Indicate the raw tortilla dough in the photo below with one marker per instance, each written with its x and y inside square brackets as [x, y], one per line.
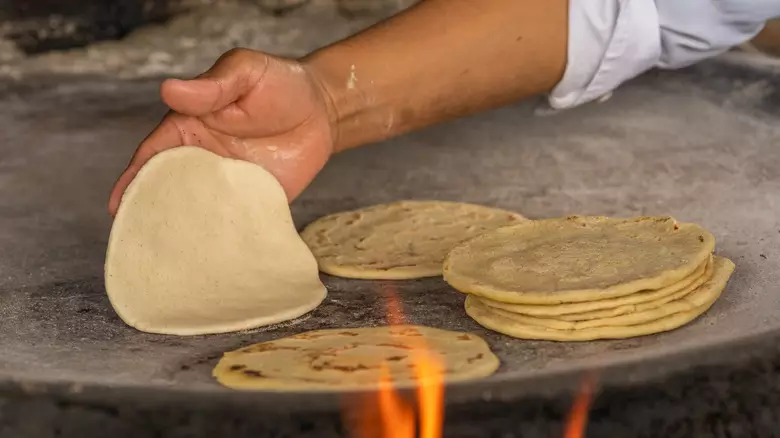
[706, 295]
[577, 259]
[351, 359]
[402, 240]
[203, 244]
[611, 306]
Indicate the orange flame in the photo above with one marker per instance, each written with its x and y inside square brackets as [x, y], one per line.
[389, 415]
[578, 415]
[430, 394]
[396, 417]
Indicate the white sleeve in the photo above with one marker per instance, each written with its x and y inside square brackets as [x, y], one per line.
[612, 41]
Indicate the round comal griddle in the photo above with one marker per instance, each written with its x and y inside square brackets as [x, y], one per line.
[701, 144]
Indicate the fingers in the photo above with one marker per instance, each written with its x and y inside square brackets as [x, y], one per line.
[233, 75]
[165, 136]
[210, 98]
[194, 97]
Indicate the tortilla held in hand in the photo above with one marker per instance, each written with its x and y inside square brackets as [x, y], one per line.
[204, 244]
[355, 359]
[401, 240]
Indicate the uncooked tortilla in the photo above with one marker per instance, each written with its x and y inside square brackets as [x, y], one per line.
[203, 244]
[352, 359]
[402, 240]
[508, 324]
[611, 306]
[577, 259]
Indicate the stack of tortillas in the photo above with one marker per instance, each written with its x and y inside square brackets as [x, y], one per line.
[585, 278]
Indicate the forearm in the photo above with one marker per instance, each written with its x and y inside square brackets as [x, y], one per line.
[439, 60]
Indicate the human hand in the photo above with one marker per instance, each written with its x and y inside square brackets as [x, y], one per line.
[250, 106]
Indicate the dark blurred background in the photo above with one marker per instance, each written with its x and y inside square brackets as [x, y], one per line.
[39, 25]
[159, 38]
[36, 26]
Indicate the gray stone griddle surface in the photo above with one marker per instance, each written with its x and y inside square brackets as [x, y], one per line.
[702, 145]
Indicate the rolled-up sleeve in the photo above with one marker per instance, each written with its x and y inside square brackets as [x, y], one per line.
[612, 41]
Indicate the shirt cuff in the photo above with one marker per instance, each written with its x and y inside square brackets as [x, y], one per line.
[610, 42]
[694, 30]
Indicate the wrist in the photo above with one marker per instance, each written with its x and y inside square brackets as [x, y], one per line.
[357, 113]
[329, 100]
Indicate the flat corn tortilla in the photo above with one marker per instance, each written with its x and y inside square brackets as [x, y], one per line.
[695, 297]
[640, 307]
[195, 248]
[507, 324]
[611, 306]
[577, 259]
[401, 240]
[352, 359]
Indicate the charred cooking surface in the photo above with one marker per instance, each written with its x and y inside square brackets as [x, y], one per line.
[664, 145]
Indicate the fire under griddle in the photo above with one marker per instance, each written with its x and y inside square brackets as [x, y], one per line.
[701, 144]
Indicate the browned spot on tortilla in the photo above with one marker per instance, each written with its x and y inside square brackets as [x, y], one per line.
[334, 351]
[464, 337]
[475, 358]
[237, 367]
[406, 332]
[349, 369]
[348, 334]
[253, 373]
[395, 358]
[318, 354]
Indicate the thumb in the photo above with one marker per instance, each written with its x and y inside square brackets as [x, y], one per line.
[233, 75]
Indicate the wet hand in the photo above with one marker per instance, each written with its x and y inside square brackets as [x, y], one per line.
[250, 106]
